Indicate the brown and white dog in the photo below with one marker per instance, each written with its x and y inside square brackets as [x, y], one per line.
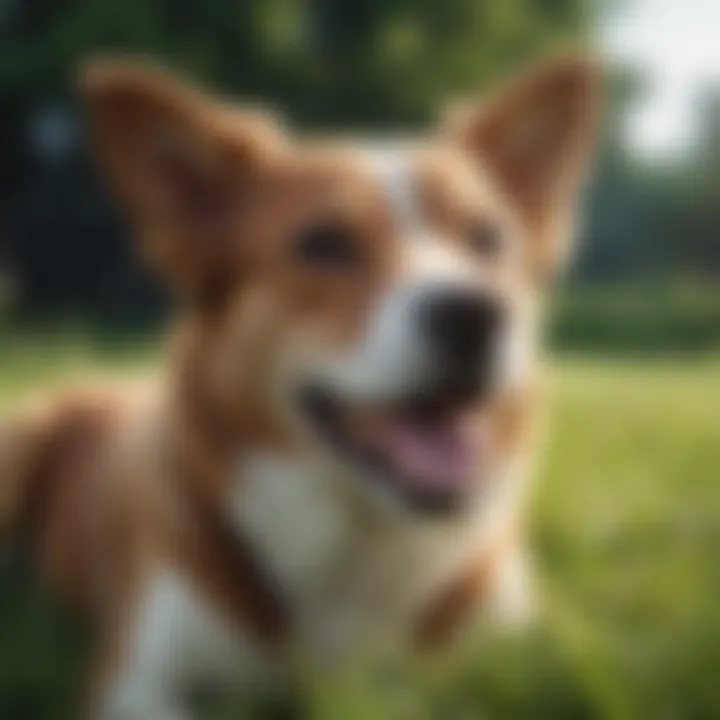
[338, 456]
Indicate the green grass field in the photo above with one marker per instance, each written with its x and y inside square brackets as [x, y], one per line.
[627, 528]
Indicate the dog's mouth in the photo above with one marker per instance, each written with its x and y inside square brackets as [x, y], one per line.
[432, 451]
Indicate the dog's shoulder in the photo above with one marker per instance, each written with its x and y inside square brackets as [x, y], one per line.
[64, 448]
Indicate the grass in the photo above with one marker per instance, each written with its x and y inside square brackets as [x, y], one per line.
[627, 529]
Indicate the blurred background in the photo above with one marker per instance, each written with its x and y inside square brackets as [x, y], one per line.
[627, 517]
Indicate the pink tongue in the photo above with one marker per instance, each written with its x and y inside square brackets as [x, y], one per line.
[438, 457]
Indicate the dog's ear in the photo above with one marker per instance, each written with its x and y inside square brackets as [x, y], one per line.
[179, 161]
[534, 137]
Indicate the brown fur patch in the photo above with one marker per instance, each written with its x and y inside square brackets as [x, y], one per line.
[62, 487]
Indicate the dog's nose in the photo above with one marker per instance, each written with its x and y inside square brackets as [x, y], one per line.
[462, 326]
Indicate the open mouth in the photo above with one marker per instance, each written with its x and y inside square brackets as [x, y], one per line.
[428, 450]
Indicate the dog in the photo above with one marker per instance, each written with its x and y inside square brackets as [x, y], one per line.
[337, 457]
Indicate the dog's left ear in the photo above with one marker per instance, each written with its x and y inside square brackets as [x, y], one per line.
[181, 162]
[535, 138]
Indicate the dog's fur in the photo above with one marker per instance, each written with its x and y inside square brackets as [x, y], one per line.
[201, 522]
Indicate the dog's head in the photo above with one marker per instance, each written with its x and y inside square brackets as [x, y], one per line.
[379, 301]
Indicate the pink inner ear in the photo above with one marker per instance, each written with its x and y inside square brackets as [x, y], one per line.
[194, 194]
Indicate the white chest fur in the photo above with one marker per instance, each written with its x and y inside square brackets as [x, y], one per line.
[352, 577]
[178, 640]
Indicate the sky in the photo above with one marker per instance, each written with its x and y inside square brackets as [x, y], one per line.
[676, 44]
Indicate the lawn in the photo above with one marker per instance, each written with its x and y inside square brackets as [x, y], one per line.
[627, 528]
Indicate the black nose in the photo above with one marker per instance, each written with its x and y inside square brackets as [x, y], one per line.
[462, 326]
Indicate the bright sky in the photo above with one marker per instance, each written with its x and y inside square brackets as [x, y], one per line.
[677, 43]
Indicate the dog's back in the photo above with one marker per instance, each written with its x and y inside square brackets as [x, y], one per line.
[56, 462]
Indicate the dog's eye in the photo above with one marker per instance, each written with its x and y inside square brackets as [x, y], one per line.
[486, 239]
[328, 244]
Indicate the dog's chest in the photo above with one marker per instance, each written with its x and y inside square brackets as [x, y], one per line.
[349, 582]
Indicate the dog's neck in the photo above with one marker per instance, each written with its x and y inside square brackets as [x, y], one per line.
[205, 437]
[212, 429]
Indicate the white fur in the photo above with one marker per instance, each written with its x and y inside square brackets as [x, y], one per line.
[391, 167]
[513, 600]
[356, 576]
[177, 639]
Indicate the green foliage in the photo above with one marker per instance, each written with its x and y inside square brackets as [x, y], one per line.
[346, 61]
[640, 320]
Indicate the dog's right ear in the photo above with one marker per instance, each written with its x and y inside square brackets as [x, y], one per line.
[179, 161]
